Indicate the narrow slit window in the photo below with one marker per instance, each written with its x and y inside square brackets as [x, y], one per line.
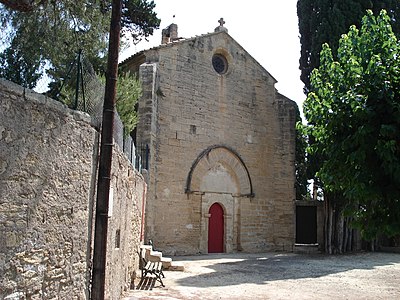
[117, 239]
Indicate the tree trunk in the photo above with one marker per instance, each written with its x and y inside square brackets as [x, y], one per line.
[20, 5]
[337, 231]
[346, 234]
[330, 228]
[350, 246]
[340, 232]
[326, 224]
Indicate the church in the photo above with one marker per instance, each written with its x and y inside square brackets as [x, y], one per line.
[220, 165]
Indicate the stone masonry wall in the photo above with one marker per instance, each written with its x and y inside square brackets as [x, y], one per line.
[48, 168]
[197, 108]
[147, 125]
[124, 231]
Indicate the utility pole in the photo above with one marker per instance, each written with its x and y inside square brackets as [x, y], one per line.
[106, 148]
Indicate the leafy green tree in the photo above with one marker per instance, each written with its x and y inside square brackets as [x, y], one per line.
[301, 184]
[324, 21]
[18, 68]
[353, 113]
[52, 32]
[129, 91]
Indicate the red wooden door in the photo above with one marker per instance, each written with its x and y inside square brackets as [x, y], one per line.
[216, 229]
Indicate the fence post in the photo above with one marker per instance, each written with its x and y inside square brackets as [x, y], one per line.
[78, 79]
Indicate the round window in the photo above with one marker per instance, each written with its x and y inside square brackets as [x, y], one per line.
[220, 63]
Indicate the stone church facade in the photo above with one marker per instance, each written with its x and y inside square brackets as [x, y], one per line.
[221, 143]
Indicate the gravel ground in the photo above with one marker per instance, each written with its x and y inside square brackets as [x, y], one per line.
[279, 276]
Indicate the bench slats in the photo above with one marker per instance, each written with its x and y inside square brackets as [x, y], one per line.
[154, 268]
[159, 266]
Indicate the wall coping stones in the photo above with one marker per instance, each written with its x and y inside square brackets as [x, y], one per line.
[31, 95]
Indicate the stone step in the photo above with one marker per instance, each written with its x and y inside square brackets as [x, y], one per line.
[166, 262]
[156, 256]
[176, 266]
[144, 249]
[306, 248]
[153, 255]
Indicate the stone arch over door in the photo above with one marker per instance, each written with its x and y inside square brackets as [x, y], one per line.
[214, 162]
[219, 175]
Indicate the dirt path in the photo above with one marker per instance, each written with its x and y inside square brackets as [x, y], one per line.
[280, 276]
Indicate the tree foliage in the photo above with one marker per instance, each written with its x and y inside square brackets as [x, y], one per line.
[129, 91]
[301, 184]
[324, 21]
[24, 72]
[52, 32]
[353, 113]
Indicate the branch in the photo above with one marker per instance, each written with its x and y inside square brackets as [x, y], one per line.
[22, 5]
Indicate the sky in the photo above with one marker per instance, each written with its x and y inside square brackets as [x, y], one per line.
[266, 29]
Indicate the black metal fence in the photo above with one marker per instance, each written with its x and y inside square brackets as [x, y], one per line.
[138, 156]
[144, 155]
[89, 97]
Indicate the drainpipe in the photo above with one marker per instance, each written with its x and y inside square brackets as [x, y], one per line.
[104, 178]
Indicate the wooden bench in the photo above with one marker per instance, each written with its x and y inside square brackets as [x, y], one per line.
[151, 268]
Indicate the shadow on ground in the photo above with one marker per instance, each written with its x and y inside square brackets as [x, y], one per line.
[146, 283]
[264, 268]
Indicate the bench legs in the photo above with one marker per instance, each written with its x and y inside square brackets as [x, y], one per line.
[154, 268]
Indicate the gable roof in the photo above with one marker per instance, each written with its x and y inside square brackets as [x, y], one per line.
[181, 41]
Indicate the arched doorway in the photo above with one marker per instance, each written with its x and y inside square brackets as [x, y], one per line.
[216, 229]
[219, 175]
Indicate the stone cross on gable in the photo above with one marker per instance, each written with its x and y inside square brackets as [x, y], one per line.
[221, 26]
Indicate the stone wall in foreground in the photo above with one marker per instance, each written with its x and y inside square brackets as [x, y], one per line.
[48, 167]
[124, 227]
